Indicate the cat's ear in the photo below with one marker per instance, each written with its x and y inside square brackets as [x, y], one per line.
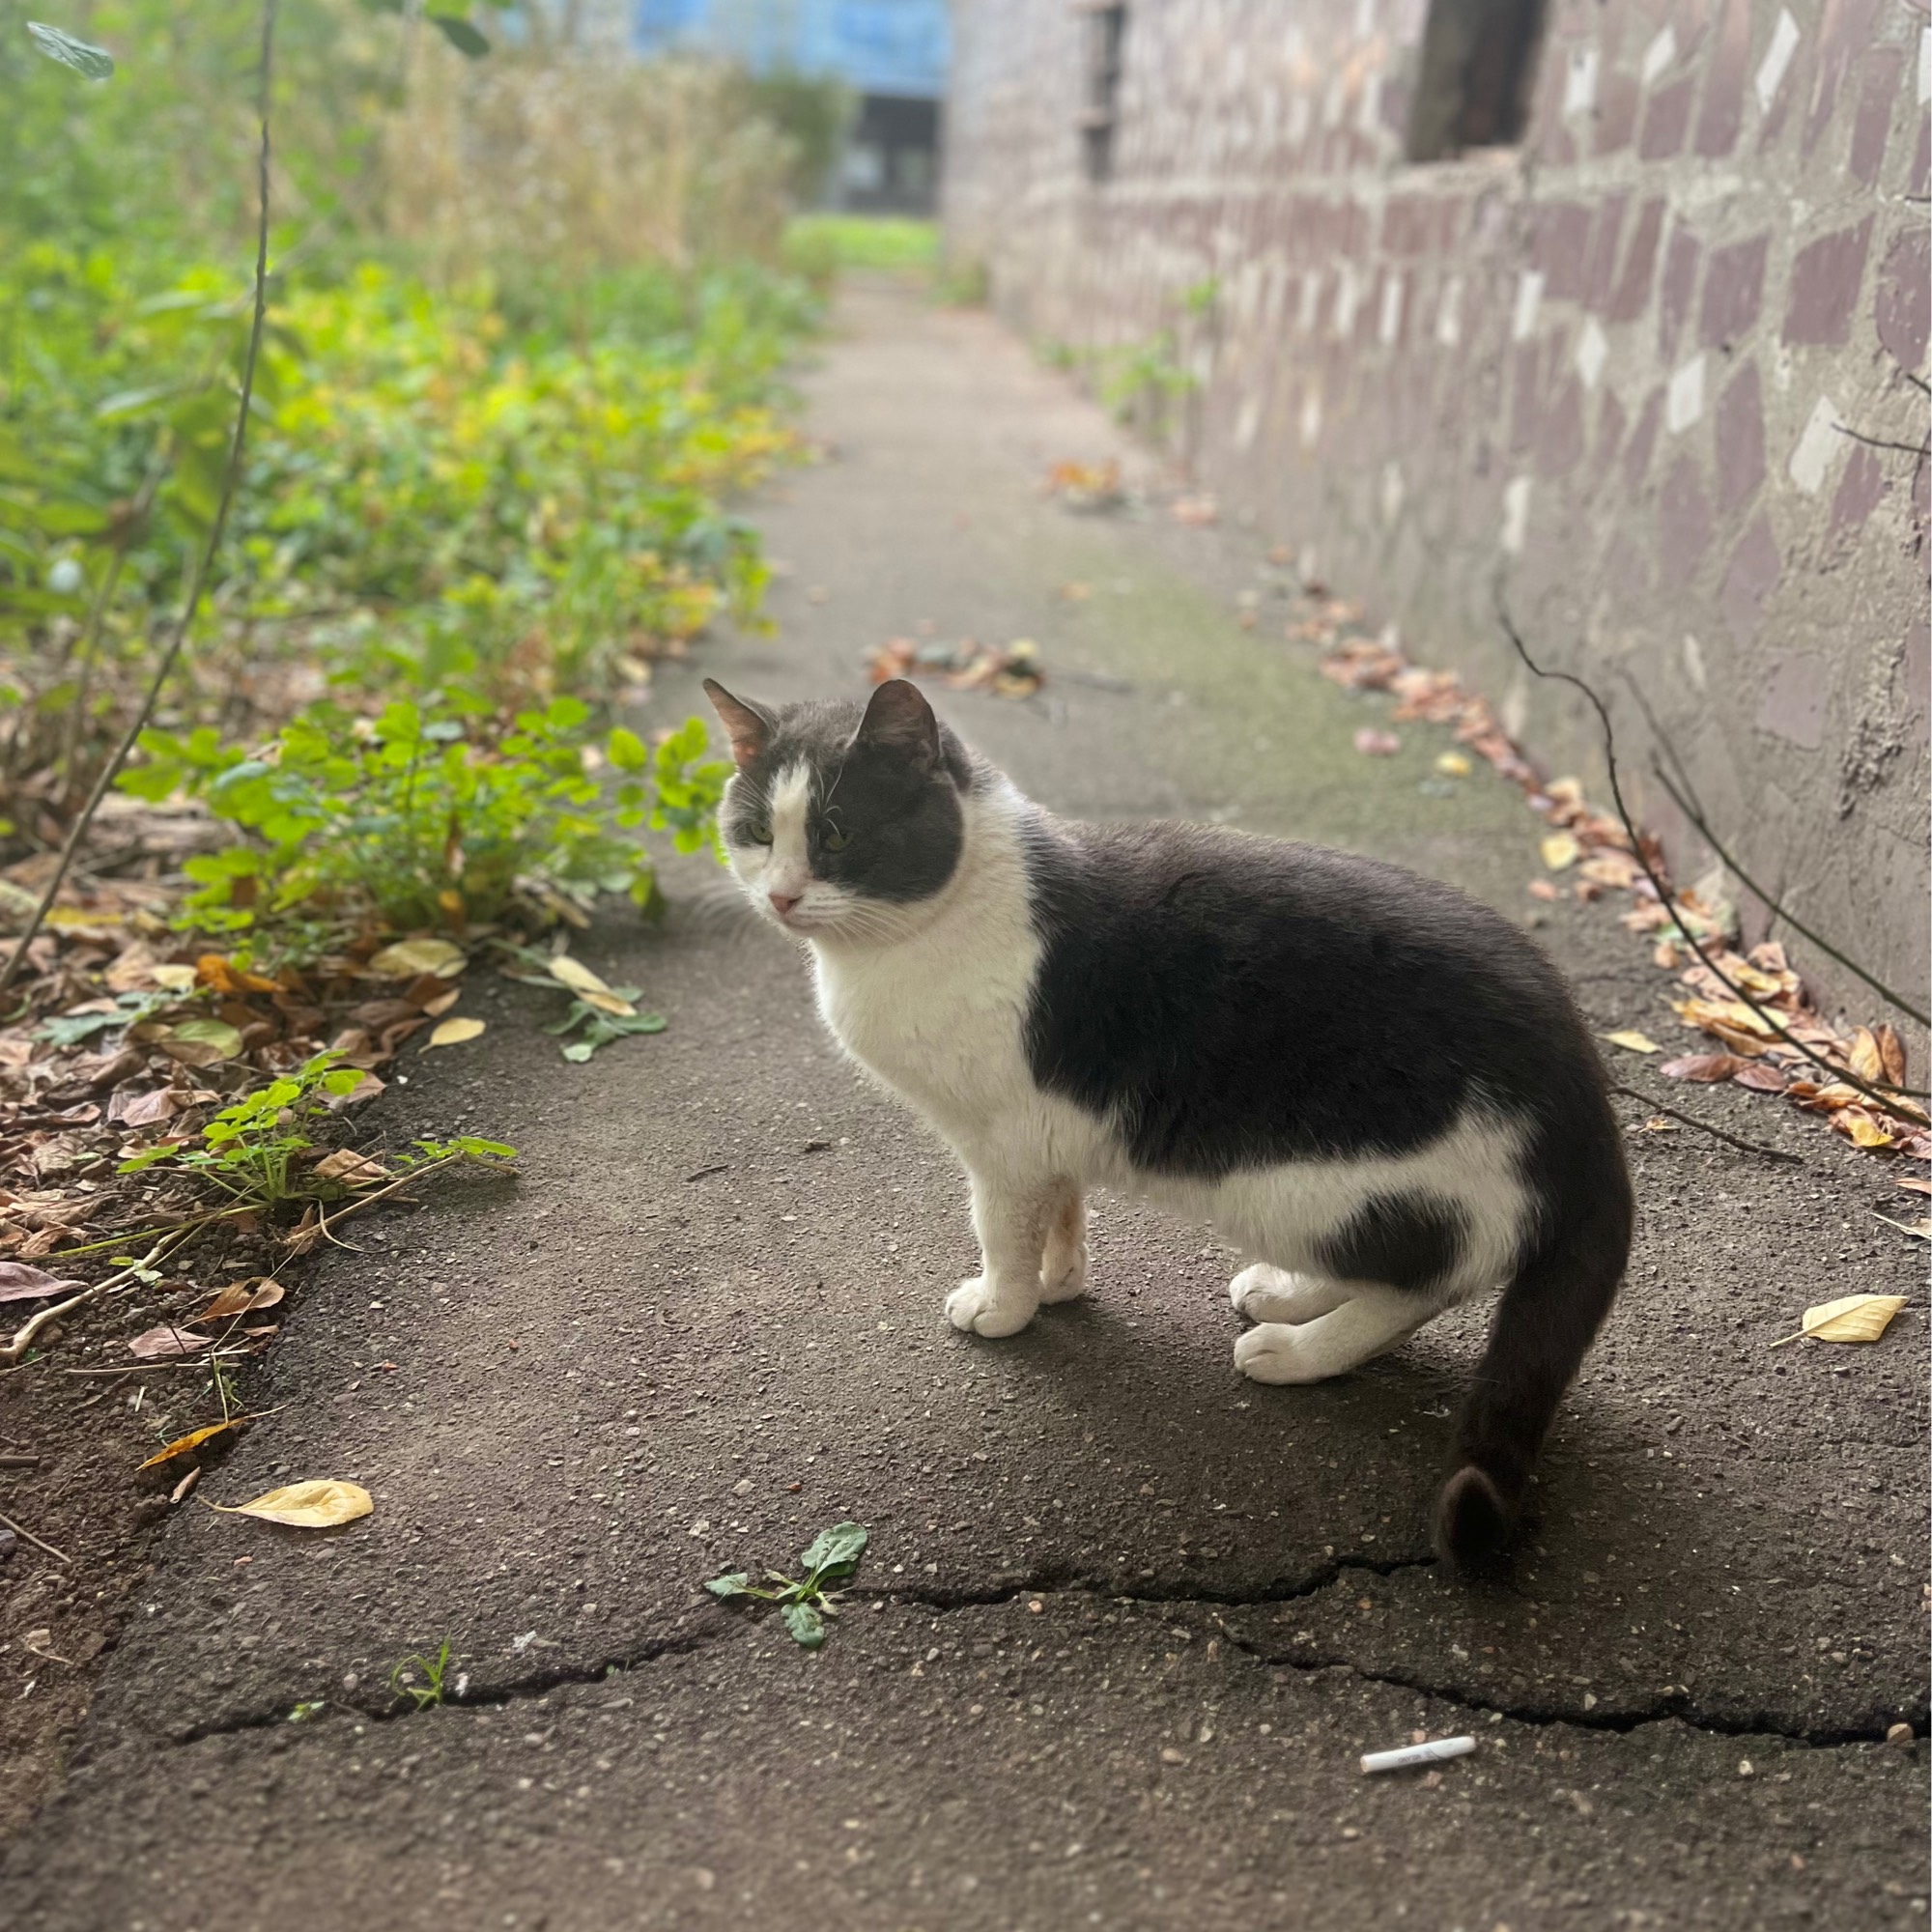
[899, 720]
[749, 728]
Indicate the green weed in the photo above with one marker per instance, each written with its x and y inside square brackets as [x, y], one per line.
[831, 1557]
[428, 1690]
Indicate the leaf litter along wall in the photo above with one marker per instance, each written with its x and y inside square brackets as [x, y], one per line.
[1623, 360]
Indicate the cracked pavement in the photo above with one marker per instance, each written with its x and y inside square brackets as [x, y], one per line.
[1126, 1621]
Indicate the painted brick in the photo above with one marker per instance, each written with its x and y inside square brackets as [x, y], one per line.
[1633, 295]
[1559, 436]
[1600, 267]
[1643, 440]
[1825, 282]
[1611, 424]
[1560, 249]
[1860, 488]
[1525, 394]
[1617, 97]
[1754, 570]
[1877, 101]
[1846, 27]
[1722, 117]
[1733, 291]
[1666, 120]
[1739, 438]
[1682, 525]
[1680, 282]
[1903, 311]
[1921, 159]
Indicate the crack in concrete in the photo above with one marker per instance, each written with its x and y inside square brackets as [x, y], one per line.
[1055, 1581]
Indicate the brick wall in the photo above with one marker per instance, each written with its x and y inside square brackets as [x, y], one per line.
[1618, 360]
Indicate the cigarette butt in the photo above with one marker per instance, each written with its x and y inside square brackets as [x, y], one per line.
[1433, 1753]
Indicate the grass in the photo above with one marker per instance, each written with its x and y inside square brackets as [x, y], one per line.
[863, 241]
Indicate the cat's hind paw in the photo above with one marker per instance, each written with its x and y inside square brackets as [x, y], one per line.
[1063, 1276]
[1265, 1293]
[972, 1309]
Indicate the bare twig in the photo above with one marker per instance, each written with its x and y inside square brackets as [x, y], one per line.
[1663, 892]
[205, 563]
[1922, 450]
[23, 1336]
[20, 1529]
[1783, 911]
[1704, 1126]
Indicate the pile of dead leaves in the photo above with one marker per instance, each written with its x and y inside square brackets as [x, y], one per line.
[1006, 670]
[1596, 851]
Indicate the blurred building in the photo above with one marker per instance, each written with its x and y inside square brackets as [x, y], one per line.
[1627, 303]
[891, 53]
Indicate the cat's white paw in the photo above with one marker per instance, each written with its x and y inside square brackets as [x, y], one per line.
[972, 1309]
[1064, 1273]
[1274, 1352]
[1265, 1293]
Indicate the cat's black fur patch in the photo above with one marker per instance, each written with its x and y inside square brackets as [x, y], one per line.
[1411, 1239]
[901, 818]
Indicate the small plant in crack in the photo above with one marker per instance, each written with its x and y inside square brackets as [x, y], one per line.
[833, 1557]
[309, 1707]
[420, 1680]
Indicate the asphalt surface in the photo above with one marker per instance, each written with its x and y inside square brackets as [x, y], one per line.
[1128, 1621]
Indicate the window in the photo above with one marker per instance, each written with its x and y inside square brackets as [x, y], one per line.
[1478, 66]
[1106, 31]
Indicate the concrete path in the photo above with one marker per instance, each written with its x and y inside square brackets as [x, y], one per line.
[1128, 1621]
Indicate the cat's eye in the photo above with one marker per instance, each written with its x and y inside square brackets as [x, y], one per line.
[836, 840]
[759, 831]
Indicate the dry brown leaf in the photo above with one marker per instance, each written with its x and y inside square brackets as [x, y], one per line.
[410, 958]
[1867, 1061]
[1633, 1041]
[1541, 888]
[1860, 1127]
[1917, 1182]
[1852, 1317]
[1705, 1066]
[453, 1033]
[172, 979]
[239, 1299]
[441, 1002]
[1376, 743]
[145, 1110]
[20, 1283]
[1560, 849]
[158, 1344]
[321, 1504]
[193, 1439]
[609, 1003]
[1761, 1078]
[1892, 1053]
[352, 1169]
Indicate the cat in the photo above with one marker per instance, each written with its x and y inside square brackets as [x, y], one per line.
[1378, 1088]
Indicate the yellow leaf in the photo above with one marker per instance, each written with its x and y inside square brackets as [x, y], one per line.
[314, 1505]
[193, 1439]
[1633, 1041]
[1860, 1129]
[238, 1299]
[574, 974]
[175, 980]
[1560, 849]
[453, 1033]
[1852, 1317]
[1453, 765]
[609, 1003]
[410, 958]
[1866, 1058]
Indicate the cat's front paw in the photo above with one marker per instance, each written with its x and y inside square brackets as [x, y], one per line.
[1265, 1293]
[974, 1309]
[1064, 1274]
[1275, 1352]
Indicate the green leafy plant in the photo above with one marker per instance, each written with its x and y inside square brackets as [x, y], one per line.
[831, 1557]
[427, 1689]
[309, 1708]
[252, 1151]
[427, 818]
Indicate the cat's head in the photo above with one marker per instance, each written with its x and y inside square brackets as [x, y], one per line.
[842, 820]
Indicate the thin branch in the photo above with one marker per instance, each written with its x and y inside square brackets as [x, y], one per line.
[1783, 911]
[1663, 892]
[205, 563]
[21, 1529]
[1704, 1126]
[1922, 450]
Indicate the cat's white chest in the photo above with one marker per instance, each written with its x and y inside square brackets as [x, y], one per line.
[941, 1022]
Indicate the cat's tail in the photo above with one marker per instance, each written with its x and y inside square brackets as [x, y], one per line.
[1544, 1323]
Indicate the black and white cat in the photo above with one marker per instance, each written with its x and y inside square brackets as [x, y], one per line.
[1376, 1087]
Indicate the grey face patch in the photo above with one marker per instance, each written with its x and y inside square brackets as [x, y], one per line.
[882, 820]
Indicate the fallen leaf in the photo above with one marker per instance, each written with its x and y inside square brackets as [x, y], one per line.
[574, 974]
[410, 958]
[1852, 1317]
[1892, 1053]
[1919, 1231]
[1633, 1041]
[1917, 1182]
[1705, 1066]
[1559, 849]
[1541, 888]
[236, 1298]
[157, 1345]
[193, 1439]
[1453, 765]
[1860, 1127]
[353, 1169]
[173, 979]
[145, 1110]
[610, 1003]
[200, 1043]
[322, 1504]
[1658, 1124]
[1376, 743]
[20, 1283]
[1761, 1078]
[1867, 1061]
[453, 1033]
[441, 1003]
[225, 977]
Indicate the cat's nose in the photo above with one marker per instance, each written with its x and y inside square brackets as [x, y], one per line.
[783, 902]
